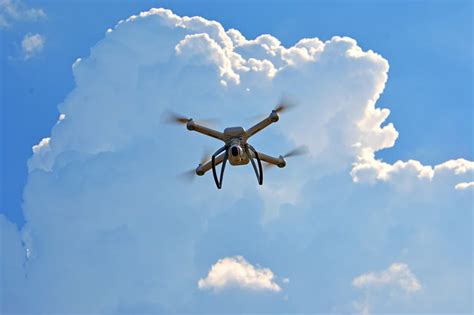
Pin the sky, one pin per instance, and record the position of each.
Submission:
(384, 97)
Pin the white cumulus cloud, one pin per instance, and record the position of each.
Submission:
(235, 271)
(466, 185)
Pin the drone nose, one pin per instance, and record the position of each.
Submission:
(234, 151)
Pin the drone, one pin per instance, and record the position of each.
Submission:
(236, 148)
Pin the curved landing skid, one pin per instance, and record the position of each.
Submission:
(257, 167)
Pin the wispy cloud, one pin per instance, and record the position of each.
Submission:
(32, 45)
(15, 10)
(398, 274)
(237, 272)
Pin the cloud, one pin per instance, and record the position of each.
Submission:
(14, 10)
(107, 220)
(32, 45)
(42, 145)
(40, 150)
(397, 275)
(368, 169)
(235, 271)
(462, 186)
(382, 287)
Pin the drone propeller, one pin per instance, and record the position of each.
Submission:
(190, 175)
(206, 156)
(301, 150)
(284, 105)
(174, 118)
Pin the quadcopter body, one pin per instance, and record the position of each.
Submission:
(236, 149)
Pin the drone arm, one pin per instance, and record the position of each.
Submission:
(203, 168)
(193, 126)
(273, 117)
(279, 161)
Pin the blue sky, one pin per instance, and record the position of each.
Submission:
(428, 46)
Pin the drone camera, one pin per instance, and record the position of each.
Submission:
(234, 151)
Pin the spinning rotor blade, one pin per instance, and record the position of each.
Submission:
(301, 150)
(284, 105)
(174, 118)
(190, 175)
(297, 151)
(268, 166)
(206, 156)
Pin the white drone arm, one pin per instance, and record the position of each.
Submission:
(203, 168)
(193, 126)
(279, 161)
(273, 117)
